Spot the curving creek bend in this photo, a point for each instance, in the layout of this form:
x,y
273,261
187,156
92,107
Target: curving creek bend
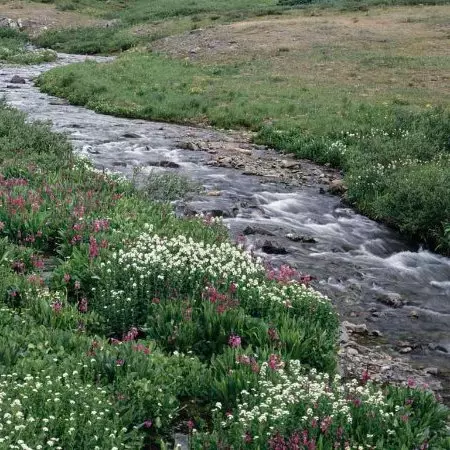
x,y
372,275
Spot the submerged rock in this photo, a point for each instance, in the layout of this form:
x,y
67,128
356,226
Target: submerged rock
x,y
391,299
273,248
299,238
256,230
17,80
166,164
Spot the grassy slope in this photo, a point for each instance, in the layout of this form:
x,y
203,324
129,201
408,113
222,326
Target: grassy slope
x,y
302,108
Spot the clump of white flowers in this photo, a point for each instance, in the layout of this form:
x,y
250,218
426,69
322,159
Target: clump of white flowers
x,y
45,410
83,163
313,395
152,264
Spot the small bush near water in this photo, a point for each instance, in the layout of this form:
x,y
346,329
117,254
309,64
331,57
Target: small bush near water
x,y
13,49
120,324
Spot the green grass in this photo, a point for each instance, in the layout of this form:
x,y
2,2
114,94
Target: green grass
x,y
183,15
140,11
13,49
87,40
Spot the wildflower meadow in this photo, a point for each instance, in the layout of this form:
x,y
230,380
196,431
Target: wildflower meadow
x,y
122,325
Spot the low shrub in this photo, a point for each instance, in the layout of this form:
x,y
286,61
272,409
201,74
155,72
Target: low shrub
x,y
13,49
87,40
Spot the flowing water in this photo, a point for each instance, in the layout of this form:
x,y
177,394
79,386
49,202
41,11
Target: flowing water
x,y
356,260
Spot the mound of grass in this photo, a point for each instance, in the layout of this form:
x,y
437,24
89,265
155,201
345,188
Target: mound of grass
x,y
87,40
13,49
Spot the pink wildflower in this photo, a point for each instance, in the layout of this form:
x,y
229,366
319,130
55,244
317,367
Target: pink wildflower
x,y
57,306
83,305
234,341
93,248
275,362
365,377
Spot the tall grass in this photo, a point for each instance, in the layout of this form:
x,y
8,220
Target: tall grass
x,y
13,49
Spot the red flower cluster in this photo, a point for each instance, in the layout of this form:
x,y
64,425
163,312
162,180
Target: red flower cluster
x,y
223,301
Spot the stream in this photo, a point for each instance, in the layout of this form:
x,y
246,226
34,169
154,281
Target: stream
x,y
370,272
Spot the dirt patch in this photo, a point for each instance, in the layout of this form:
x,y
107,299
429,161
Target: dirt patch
x,y
390,51
408,31
38,17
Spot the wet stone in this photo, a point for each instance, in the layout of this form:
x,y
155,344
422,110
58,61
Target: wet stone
x,y
273,249
298,238
166,164
391,299
256,230
406,350
17,80
130,135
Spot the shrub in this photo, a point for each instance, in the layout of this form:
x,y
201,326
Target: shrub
x,y
87,40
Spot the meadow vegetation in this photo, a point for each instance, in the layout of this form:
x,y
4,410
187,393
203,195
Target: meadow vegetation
x,y
121,324
13,49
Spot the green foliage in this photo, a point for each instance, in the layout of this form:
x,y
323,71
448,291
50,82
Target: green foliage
x,y
166,186
13,49
87,40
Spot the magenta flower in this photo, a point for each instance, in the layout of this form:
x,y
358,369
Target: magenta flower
x,y
131,335
148,423
57,306
120,362
234,341
365,377
83,305
93,248
77,238
275,362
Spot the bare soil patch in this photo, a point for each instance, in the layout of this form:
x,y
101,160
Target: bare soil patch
x,y
390,48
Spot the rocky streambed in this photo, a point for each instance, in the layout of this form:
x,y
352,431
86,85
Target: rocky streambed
x,y
393,297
